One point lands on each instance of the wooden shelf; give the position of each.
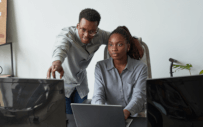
(3, 21)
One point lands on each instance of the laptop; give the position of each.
(89, 115)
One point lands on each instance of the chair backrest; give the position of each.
(145, 58)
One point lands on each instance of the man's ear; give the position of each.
(77, 26)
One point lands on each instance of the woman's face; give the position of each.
(118, 47)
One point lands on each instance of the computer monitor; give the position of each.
(32, 103)
(175, 101)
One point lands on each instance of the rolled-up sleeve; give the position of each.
(99, 91)
(138, 93)
(61, 46)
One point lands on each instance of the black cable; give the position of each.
(1, 70)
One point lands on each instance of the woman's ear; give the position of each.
(128, 49)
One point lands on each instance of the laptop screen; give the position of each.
(89, 115)
(175, 101)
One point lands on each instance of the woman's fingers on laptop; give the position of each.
(126, 113)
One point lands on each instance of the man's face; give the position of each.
(86, 27)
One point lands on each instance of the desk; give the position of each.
(137, 122)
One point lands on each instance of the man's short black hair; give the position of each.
(90, 15)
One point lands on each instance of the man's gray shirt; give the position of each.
(75, 57)
(127, 89)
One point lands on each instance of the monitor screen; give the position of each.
(175, 101)
(32, 103)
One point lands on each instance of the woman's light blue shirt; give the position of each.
(127, 89)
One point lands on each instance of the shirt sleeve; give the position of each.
(61, 46)
(138, 93)
(99, 92)
(105, 36)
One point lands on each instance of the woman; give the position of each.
(121, 80)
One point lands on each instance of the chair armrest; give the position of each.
(87, 101)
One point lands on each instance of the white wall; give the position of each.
(170, 28)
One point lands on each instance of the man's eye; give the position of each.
(110, 44)
(83, 30)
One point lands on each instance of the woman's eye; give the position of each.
(119, 44)
(110, 44)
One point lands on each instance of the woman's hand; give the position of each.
(126, 113)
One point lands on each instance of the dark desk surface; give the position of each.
(137, 122)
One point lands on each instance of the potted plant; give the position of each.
(187, 67)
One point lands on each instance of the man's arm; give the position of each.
(105, 36)
(99, 92)
(60, 50)
(139, 93)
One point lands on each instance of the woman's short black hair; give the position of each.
(90, 15)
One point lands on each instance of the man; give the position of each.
(73, 51)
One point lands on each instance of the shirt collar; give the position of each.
(129, 65)
(110, 64)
